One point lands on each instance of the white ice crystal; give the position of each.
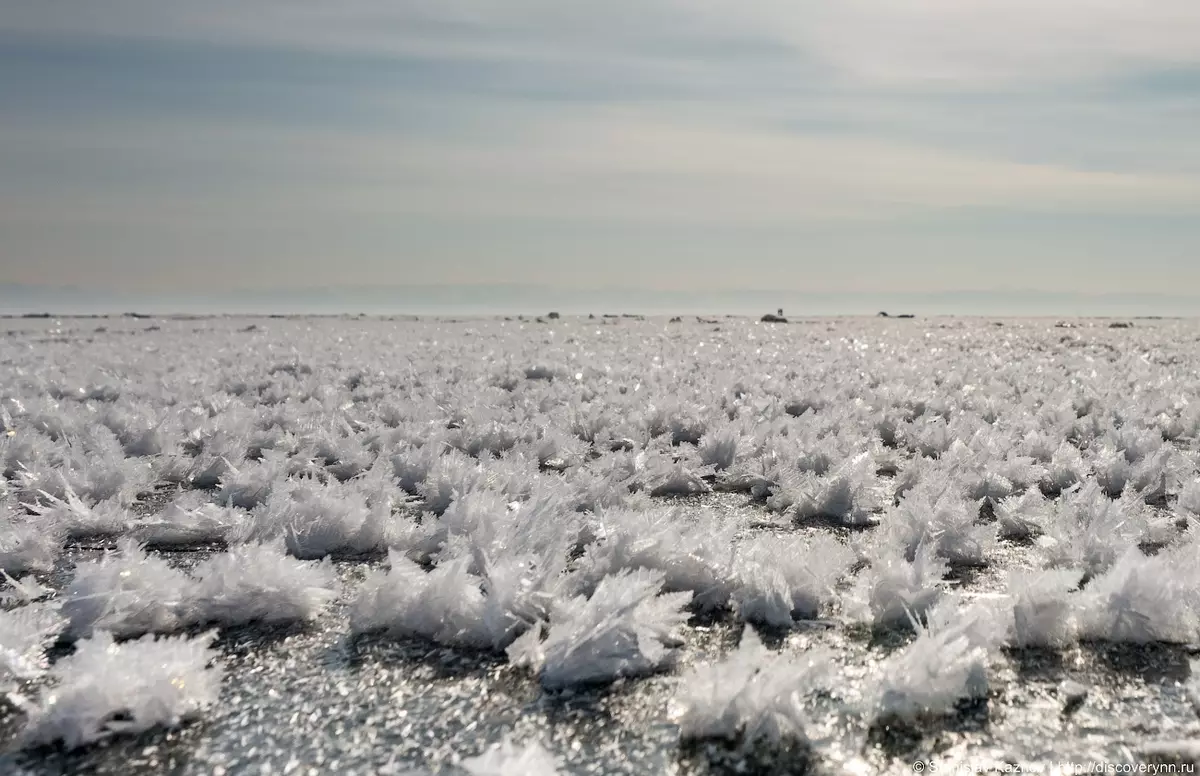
(450, 474)
(1066, 469)
(519, 591)
(23, 590)
(413, 465)
(754, 696)
(79, 521)
(1043, 609)
(126, 593)
(453, 606)
(483, 522)
(445, 605)
(692, 549)
(1090, 531)
(321, 519)
(28, 543)
(187, 521)
(94, 468)
(720, 448)
(1140, 600)
(1022, 516)
(893, 590)
(624, 629)
(511, 759)
(946, 664)
(661, 475)
(933, 515)
(259, 583)
(24, 635)
(220, 454)
(848, 494)
(780, 577)
(249, 484)
(106, 689)
(1189, 498)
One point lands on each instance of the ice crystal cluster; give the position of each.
(105, 688)
(754, 696)
(576, 496)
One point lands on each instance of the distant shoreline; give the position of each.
(543, 317)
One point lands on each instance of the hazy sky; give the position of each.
(857, 145)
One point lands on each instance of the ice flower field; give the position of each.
(596, 545)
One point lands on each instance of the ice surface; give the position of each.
(586, 502)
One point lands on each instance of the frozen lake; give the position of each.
(400, 543)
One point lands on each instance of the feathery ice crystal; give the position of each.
(25, 634)
(259, 583)
(511, 759)
(625, 629)
(105, 689)
(127, 593)
(754, 695)
(946, 664)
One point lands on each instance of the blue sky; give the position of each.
(850, 147)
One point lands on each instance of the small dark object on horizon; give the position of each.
(591, 316)
(906, 315)
(37, 315)
(769, 318)
(883, 314)
(1120, 325)
(676, 319)
(553, 316)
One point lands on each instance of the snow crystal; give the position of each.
(185, 522)
(444, 605)
(1043, 612)
(27, 543)
(624, 629)
(1140, 600)
(25, 634)
(692, 550)
(79, 521)
(946, 664)
(259, 582)
(781, 577)
(754, 696)
(106, 689)
(126, 593)
(321, 519)
(511, 759)
(893, 589)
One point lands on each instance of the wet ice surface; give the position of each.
(313, 699)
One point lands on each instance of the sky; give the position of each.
(863, 147)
